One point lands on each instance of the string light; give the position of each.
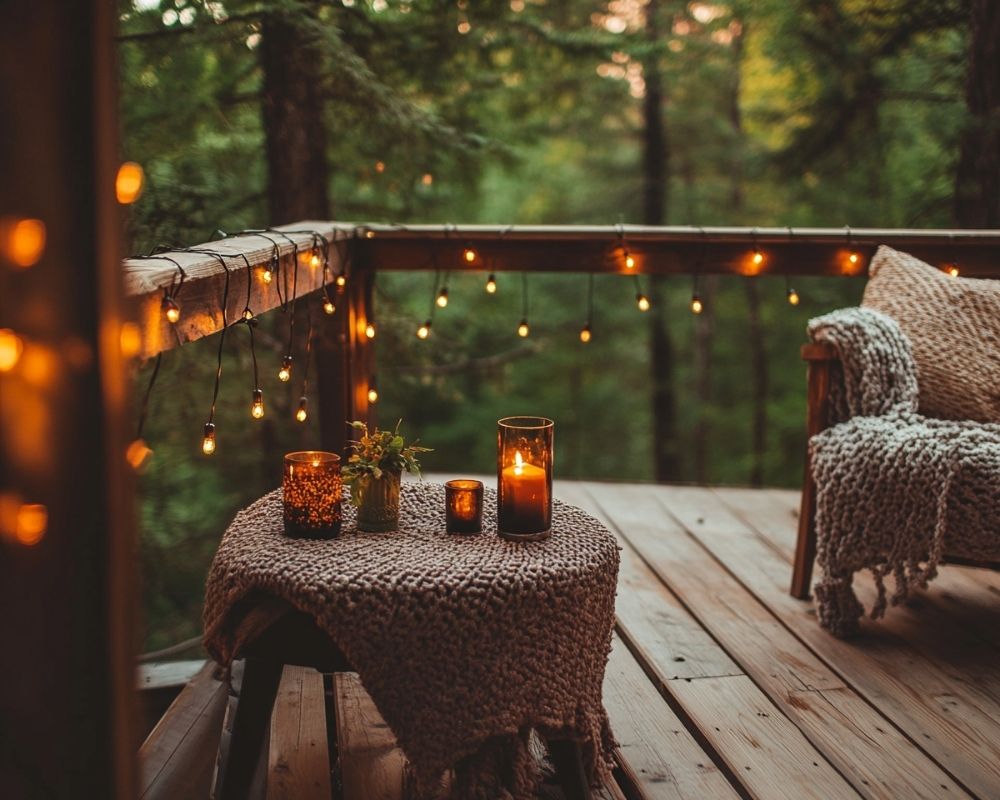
(791, 294)
(267, 274)
(314, 260)
(952, 269)
(302, 413)
(171, 310)
(372, 391)
(469, 255)
(442, 297)
(522, 329)
(11, 347)
(491, 284)
(328, 307)
(22, 241)
(128, 182)
(642, 302)
(853, 257)
(424, 330)
(629, 260)
(697, 306)
(370, 330)
(208, 439)
(585, 332)
(247, 314)
(341, 281)
(285, 373)
(758, 257)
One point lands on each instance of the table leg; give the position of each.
(253, 715)
(567, 758)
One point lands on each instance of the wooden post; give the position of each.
(66, 585)
(819, 357)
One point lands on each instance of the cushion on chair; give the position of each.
(953, 325)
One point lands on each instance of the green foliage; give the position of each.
(378, 453)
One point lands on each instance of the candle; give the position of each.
(464, 506)
(311, 493)
(524, 502)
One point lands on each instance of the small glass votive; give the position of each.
(524, 478)
(463, 503)
(311, 492)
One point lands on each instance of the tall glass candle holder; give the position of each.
(312, 492)
(463, 506)
(524, 477)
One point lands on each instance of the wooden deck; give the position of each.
(720, 685)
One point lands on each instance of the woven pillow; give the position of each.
(953, 325)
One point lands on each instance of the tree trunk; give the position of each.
(977, 180)
(656, 157)
(293, 120)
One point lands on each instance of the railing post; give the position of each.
(345, 355)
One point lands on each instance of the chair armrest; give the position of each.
(819, 351)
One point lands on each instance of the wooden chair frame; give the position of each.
(820, 358)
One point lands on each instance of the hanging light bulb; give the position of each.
(442, 298)
(138, 454)
(285, 373)
(341, 281)
(257, 406)
(301, 414)
(469, 255)
(758, 257)
(267, 273)
(372, 392)
(208, 440)
(697, 306)
(328, 306)
(491, 284)
(247, 314)
(314, 261)
(585, 333)
(629, 260)
(853, 257)
(11, 347)
(370, 330)
(522, 329)
(793, 297)
(171, 310)
(642, 302)
(953, 269)
(424, 330)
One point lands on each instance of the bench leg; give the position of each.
(253, 716)
(568, 760)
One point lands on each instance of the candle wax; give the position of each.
(526, 507)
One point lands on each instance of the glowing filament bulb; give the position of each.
(585, 333)
(328, 306)
(314, 261)
(171, 310)
(138, 454)
(793, 297)
(469, 255)
(642, 302)
(424, 330)
(853, 257)
(247, 314)
(758, 257)
(301, 414)
(522, 329)
(11, 347)
(629, 260)
(341, 281)
(267, 274)
(285, 373)
(208, 440)
(442, 298)
(372, 394)
(257, 406)
(518, 463)
(953, 269)
(491, 284)
(128, 182)
(697, 306)
(370, 330)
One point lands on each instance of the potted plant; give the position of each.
(373, 471)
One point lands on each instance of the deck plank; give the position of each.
(371, 764)
(665, 760)
(178, 757)
(298, 760)
(910, 691)
(870, 752)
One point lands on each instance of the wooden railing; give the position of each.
(345, 354)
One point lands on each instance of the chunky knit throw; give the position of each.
(466, 643)
(895, 489)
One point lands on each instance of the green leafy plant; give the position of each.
(378, 453)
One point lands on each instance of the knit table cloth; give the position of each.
(466, 643)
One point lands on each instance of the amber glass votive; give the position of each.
(524, 477)
(463, 505)
(312, 490)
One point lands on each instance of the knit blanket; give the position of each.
(895, 490)
(466, 644)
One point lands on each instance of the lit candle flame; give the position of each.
(518, 463)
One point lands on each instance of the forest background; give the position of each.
(826, 113)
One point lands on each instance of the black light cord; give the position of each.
(144, 411)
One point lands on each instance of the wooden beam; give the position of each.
(204, 287)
